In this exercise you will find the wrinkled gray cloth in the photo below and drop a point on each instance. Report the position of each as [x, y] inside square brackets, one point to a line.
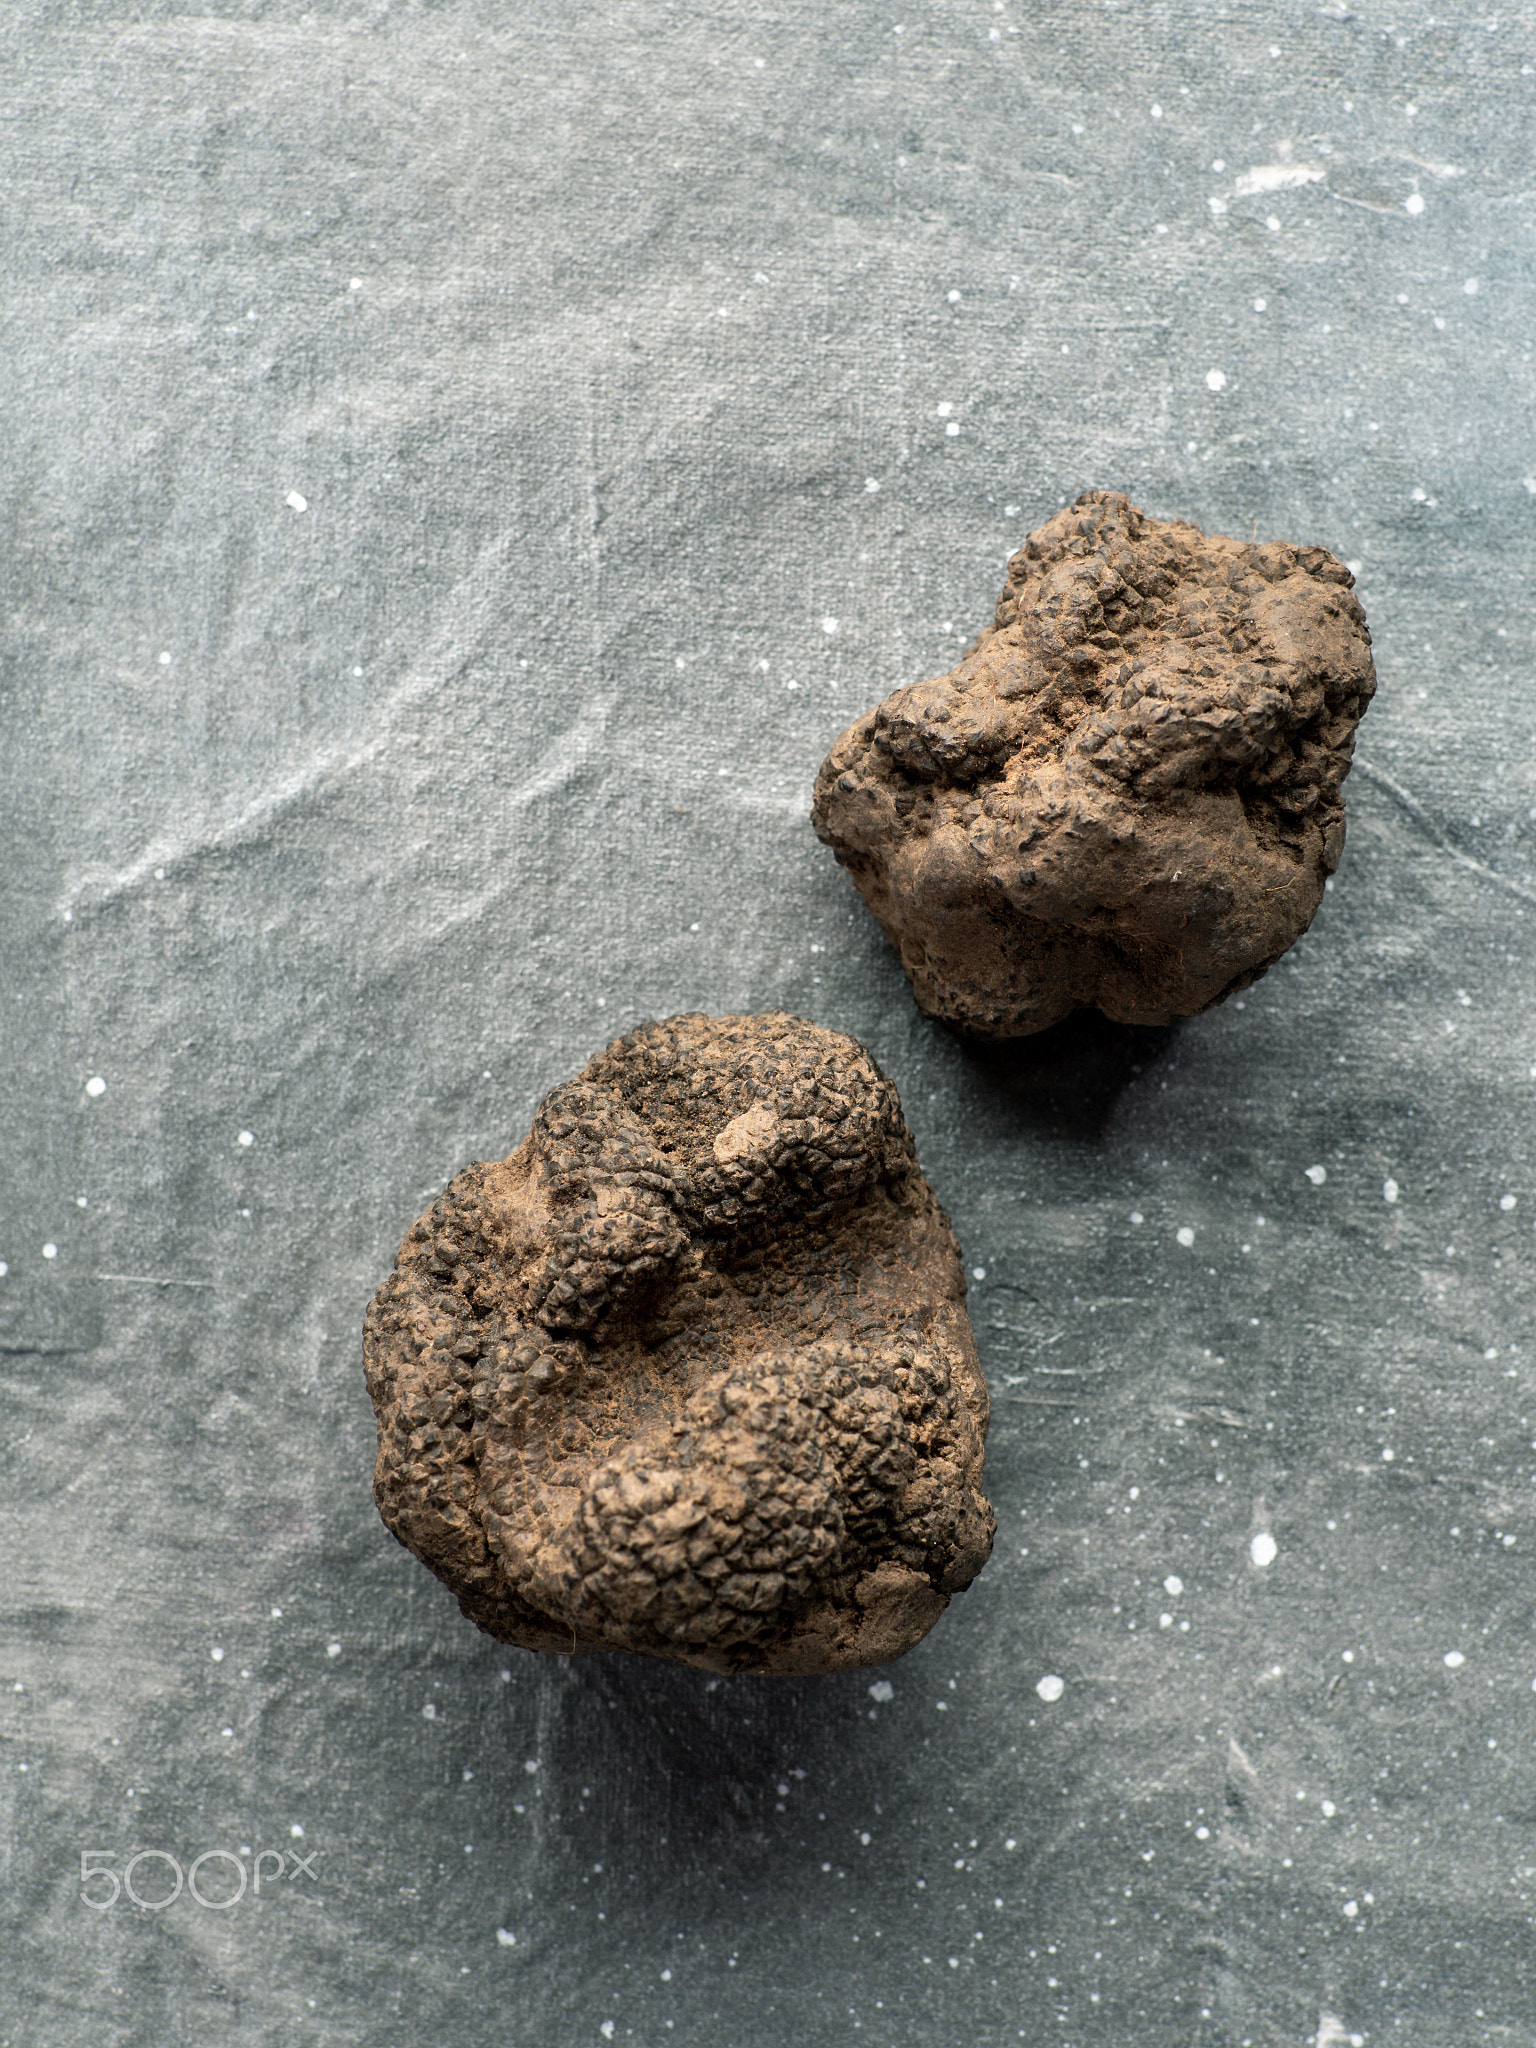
[462, 467]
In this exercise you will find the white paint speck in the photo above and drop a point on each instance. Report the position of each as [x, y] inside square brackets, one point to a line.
[531, 1766]
[505, 1938]
[953, 298]
[217, 1654]
[429, 1711]
[299, 503]
[1186, 1237]
[1508, 1202]
[4, 1269]
[1351, 1908]
[1389, 1191]
[1051, 1687]
[829, 625]
[95, 1086]
[1317, 1175]
[165, 659]
[1388, 1455]
[1273, 224]
[246, 1138]
[50, 1251]
[606, 2030]
[1263, 1549]
[1261, 305]
[882, 1692]
[1173, 1585]
[1137, 1217]
[980, 1272]
[1414, 203]
[1471, 287]
[1215, 380]
[871, 484]
[1454, 1660]
[1328, 1809]
[952, 429]
[333, 1649]
[296, 1832]
[1277, 178]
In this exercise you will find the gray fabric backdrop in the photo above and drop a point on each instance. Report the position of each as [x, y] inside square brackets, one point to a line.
[461, 467]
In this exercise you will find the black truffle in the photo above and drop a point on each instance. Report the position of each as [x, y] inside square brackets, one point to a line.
[690, 1372]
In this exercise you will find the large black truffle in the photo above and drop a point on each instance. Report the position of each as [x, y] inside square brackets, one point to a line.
[690, 1372]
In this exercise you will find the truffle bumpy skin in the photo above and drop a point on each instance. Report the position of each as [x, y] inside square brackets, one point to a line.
[690, 1372]
[1128, 793]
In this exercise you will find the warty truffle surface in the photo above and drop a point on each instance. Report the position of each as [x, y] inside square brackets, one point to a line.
[1128, 793]
[690, 1372]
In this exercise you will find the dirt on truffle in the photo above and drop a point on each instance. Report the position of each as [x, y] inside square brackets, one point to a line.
[690, 1373]
[1128, 794]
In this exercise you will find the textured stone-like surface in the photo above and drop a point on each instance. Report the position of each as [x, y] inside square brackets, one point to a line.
[1128, 794]
[690, 1372]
